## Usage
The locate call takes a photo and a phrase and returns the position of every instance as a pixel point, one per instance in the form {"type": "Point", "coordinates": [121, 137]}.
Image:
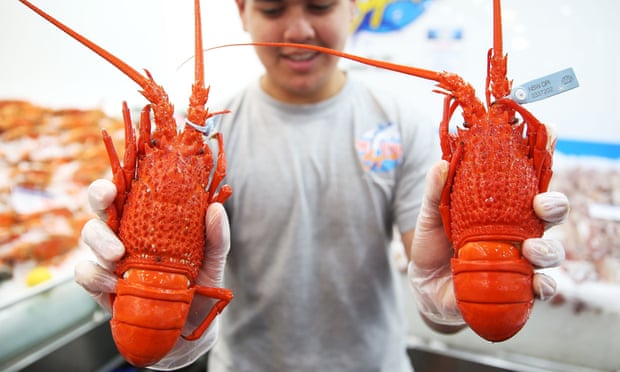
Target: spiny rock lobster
{"type": "Point", "coordinates": [497, 166]}
{"type": "Point", "coordinates": [159, 213]}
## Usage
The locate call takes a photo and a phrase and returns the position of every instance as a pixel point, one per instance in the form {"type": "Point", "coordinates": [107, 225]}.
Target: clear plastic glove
{"type": "Point", "coordinates": [429, 271]}
{"type": "Point", "coordinates": [99, 280]}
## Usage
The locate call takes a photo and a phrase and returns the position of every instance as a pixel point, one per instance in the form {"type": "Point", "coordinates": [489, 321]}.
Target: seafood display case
{"type": "Point", "coordinates": [48, 157]}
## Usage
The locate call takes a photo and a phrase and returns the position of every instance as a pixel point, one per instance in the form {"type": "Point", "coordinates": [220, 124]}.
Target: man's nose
{"type": "Point", "coordinates": [299, 28]}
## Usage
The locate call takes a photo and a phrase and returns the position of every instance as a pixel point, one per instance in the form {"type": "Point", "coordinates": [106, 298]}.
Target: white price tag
{"type": "Point", "coordinates": [544, 87]}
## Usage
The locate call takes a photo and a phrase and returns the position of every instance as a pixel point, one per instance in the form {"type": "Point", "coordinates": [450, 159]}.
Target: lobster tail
{"type": "Point", "coordinates": [493, 288]}
{"type": "Point", "coordinates": [138, 302]}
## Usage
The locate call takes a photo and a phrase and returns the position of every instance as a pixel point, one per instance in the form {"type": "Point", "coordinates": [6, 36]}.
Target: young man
{"type": "Point", "coordinates": [322, 168]}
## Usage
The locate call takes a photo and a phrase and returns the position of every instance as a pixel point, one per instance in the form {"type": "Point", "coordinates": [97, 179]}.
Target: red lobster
{"type": "Point", "coordinates": [497, 166]}
{"type": "Point", "coordinates": [159, 214]}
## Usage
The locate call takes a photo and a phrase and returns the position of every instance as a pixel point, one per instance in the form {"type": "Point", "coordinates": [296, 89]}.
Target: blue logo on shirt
{"type": "Point", "coordinates": [380, 149]}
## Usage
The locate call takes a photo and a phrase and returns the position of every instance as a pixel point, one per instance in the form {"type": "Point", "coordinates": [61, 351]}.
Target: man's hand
{"type": "Point", "coordinates": [99, 280]}
{"type": "Point", "coordinates": [429, 271]}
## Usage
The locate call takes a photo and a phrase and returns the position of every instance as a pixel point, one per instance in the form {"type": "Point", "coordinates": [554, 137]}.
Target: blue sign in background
{"type": "Point", "coordinates": [387, 15]}
{"type": "Point", "coordinates": [587, 148]}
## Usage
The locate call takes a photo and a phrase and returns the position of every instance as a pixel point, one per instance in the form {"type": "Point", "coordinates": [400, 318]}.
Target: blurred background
{"type": "Point", "coordinates": [56, 94]}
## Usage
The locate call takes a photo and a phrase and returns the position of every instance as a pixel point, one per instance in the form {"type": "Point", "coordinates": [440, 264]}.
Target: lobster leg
{"type": "Point", "coordinates": [114, 210]}
{"type": "Point", "coordinates": [444, 202]}
{"type": "Point", "coordinates": [219, 174]}
{"type": "Point", "coordinates": [487, 85]}
{"type": "Point", "coordinates": [447, 146]}
{"type": "Point", "coordinates": [537, 135]}
{"type": "Point", "coordinates": [444, 132]}
{"type": "Point", "coordinates": [145, 130]}
{"type": "Point", "coordinates": [129, 159]}
{"type": "Point", "coordinates": [446, 140]}
{"type": "Point", "coordinates": [122, 174]}
{"type": "Point", "coordinates": [224, 296]}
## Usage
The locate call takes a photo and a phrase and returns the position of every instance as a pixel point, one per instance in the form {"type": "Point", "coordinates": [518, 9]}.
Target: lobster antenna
{"type": "Point", "coordinates": [497, 29]}
{"type": "Point", "coordinates": [413, 71]}
{"type": "Point", "coordinates": [125, 68]}
{"type": "Point", "coordinates": [497, 84]}
{"type": "Point", "coordinates": [199, 59]}
{"type": "Point", "coordinates": [197, 113]}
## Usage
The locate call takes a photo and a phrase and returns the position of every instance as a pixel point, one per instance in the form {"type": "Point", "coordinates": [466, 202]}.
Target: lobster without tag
{"type": "Point", "coordinates": [497, 166]}
{"type": "Point", "coordinates": [159, 214]}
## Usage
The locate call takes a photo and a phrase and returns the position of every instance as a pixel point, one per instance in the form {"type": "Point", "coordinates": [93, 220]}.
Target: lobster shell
{"type": "Point", "coordinates": [168, 199]}
{"type": "Point", "coordinates": [487, 206]}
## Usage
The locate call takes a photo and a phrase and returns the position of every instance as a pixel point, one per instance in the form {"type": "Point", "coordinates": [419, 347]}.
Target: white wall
{"type": "Point", "coordinates": [541, 36]}
{"type": "Point", "coordinates": [42, 64]}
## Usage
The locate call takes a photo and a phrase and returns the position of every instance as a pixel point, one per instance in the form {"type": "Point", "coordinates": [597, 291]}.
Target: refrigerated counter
{"type": "Point", "coordinates": [62, 316]}
{"type": "Point", "coordinates": [563, 336]}
{"type": "Point", "coordinates": [62, 328]}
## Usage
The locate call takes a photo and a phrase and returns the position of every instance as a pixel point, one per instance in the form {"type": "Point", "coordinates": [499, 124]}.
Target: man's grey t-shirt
{"type": "Point", "coordinates": [317, 190]}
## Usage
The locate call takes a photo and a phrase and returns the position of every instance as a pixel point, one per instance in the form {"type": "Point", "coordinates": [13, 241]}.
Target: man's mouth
{"type": "Point", "coordinates": [305, 56]}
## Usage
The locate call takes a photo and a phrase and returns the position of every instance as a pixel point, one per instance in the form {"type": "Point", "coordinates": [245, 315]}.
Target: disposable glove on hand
{"type": "Point", "coordinates": [99, 279]}
{"type": "Point", "coordinates": [429, 271]}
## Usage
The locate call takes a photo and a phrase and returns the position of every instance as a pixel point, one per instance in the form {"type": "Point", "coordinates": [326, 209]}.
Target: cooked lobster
{"type": "Point", "coordinates": [165, 184]}
{"type": "Point", "coordinates": [497, 165]}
